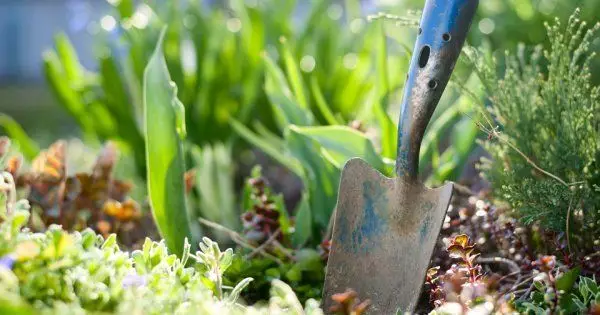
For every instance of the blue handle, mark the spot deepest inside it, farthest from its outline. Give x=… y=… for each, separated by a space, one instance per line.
x=443 y=29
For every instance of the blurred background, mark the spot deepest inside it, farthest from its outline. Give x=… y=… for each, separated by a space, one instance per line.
x=27 y=28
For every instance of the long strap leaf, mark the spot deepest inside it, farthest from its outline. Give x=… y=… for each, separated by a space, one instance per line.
x=164 y=132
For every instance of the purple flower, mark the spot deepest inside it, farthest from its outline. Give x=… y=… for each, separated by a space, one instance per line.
x=134 y=280
x=7 y=261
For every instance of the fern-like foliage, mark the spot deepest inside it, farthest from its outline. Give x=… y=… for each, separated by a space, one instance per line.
x=543 y=120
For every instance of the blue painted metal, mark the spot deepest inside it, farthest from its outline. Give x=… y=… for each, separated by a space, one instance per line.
x=443 y=29
x=371 y=225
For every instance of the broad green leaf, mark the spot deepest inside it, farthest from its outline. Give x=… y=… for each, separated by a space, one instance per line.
x=567 y=280
x=164 y=153
x=341 y=143
x=214 y=184
x=273 y=139
x=274 y=152
x=303 y=222
x=27 y=146
x=320 y=176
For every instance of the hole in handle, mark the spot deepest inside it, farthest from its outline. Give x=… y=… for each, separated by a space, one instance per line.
x=446 y=37
x=432 y=84
x=424 y=56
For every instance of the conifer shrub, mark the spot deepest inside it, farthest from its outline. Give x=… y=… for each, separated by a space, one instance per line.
x=543 y=123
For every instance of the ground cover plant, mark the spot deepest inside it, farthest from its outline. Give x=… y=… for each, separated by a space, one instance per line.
x=129 y=234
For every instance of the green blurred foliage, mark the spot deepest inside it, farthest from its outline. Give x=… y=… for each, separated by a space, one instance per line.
x=290 y=84
x=503 y=24
x=317 y=153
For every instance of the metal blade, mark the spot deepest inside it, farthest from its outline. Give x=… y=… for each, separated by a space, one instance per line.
x=384 y=234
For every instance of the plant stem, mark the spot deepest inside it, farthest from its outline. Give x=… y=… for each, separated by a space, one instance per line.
x=238 y=239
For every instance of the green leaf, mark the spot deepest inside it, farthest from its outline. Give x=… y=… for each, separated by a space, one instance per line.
x=66 y=94
x=389 y=133
x=309 y=260
x=320 y=176
x=341 y=143
x=214 y=184
x=164 y=153
x=567 y=280
x=382 y=84
x=322 y=103
x=303 y=223
x=293 y=74
x=284 y=220
x=68 y=57
x=27 y=146
x=235 y=293
x=12 y=303
x=126 y=8
x=286 y=108
x=273 y=151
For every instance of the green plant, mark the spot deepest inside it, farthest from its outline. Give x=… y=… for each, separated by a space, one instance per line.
x=214 y=55
x=464 y=288
x=164 y=131
x=265 y=249
x=558 y=291
x=317 y=153
x=545 y=148
x=57 y=272
x=62 y=192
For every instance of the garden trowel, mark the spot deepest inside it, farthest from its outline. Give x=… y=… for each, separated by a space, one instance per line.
x=385 y=228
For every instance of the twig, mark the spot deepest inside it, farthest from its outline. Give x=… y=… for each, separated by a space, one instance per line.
x=493 y=132
x=285 y=251
x=515 y=286
x=525 y=292
x=265 y=244
x=568 y=225
x=515 y=270
x=238 y=239
x=514 y=273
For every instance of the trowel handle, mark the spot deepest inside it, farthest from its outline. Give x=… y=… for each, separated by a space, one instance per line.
x=442 y=32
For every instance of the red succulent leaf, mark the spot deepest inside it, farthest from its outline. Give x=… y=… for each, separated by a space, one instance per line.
x=456 y=251
x=461 y=240
x=432 y=272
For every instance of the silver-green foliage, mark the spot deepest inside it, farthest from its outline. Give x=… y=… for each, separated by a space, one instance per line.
x=546 y=147
x=56 y=272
